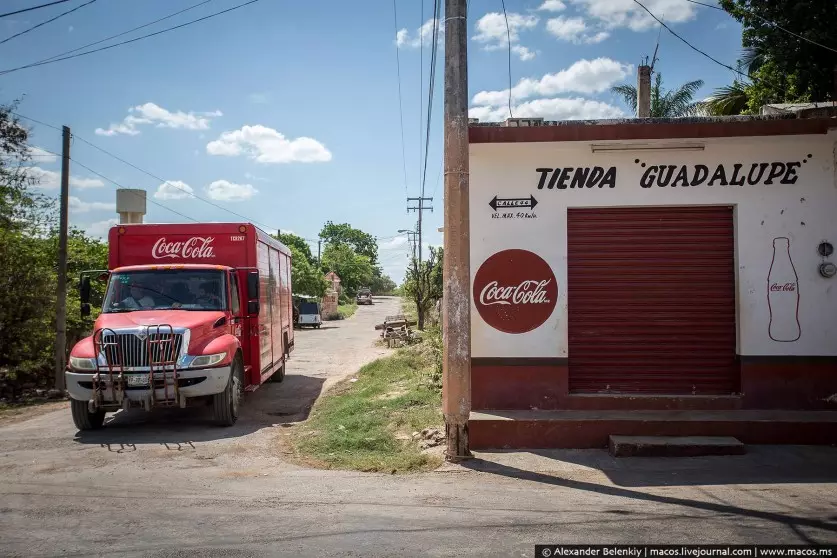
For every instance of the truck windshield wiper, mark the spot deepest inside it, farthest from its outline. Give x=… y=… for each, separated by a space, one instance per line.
x=121 y=310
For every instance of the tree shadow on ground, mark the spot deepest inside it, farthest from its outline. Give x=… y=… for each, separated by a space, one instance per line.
x=271 y=404
x=828 y=525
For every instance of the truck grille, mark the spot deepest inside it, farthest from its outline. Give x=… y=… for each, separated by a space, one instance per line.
x=132 y=350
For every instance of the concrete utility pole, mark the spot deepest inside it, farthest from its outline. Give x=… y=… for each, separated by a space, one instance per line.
x=421 y=208
x=456 y=375
x=61 y=293
x=643 y=92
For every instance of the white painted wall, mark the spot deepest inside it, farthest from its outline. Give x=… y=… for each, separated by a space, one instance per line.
x=762 y=212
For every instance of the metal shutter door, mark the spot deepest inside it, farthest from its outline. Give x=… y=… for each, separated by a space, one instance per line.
x=651 y=295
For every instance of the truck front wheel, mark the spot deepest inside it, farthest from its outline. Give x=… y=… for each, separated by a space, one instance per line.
x=83 y=418
x=225 y=404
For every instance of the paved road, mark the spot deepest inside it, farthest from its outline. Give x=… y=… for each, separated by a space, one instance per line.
x=166 y=484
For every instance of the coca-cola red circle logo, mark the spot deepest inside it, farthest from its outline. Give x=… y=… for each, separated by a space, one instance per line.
x=515 y=291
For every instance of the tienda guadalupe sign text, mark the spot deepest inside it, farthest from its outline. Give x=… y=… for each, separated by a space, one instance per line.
x=515 y=291
x=197 y=247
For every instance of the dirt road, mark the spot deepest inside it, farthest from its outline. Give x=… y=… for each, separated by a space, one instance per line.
x=166 y=484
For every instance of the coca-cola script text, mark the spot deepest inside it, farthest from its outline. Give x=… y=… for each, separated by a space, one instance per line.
x=786 y=287
x=527 y=292
x=197 y=247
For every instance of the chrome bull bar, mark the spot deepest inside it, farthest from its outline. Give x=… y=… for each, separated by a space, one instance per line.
x=161 y=347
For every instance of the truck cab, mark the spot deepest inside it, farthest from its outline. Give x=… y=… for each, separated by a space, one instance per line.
x=171 y=334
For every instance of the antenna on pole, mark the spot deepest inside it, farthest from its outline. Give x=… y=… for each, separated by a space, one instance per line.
x=657 y=47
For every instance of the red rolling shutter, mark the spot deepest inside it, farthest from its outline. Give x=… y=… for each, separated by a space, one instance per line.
x=651 y=295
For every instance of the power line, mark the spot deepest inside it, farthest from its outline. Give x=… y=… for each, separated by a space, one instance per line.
x=4 y=72
x=690 y=45
x=59 y=16
x=430 y=90
x=508 y=37
x=88 y=45
x=100 y=175
x=767 y=21
x=34 y=8
x=400 y=105
x=421 y=84
x=152 y=175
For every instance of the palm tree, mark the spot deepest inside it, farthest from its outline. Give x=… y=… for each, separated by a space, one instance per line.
x=664 y=104
x=728 y=100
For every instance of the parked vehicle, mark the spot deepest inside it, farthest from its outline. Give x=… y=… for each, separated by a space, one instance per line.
x=191 y=311
x=310 y=314
x=364 y=296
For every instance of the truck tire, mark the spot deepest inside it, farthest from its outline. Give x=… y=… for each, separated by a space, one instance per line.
x=279 y=376
x=225 y=405
x=83 y=418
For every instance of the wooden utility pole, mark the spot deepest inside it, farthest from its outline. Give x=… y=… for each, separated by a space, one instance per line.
x=61 y=293
x=456 y=375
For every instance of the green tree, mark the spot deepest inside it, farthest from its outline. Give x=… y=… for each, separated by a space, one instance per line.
x=785 y=67
x=423 y=283
x=355 y=270
x=306 y=279
x=302 y=248
x=382 y=284
x=361 y=242
x=664 y=103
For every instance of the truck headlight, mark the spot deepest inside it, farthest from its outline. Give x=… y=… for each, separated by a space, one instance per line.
x=207 y=360
x=82 y=363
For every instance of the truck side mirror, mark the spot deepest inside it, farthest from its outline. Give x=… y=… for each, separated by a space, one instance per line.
x=253 y=308
x=84 y=291
x=85 y=310
x=253 y=285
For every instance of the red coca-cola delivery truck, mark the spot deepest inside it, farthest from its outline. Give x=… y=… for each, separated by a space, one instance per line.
x=191 y=312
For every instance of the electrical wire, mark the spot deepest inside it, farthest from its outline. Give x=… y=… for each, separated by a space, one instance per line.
x=767 y=21
x=430 y=91
x=88 y=45
x=59 y=16
x=693 y=47
x=103 y=177
x=508 y=37
x=400 y=104
x=152 y=175
x=34 y=8
x=421 y=85
x=140 y=38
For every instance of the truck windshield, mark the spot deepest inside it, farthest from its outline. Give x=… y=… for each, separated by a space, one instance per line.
x=176 y=289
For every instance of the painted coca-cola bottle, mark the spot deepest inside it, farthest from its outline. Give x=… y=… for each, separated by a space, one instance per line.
x=783 y=294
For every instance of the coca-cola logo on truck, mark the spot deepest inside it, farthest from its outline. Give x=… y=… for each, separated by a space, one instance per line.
x=515 y=291
x=197 y=247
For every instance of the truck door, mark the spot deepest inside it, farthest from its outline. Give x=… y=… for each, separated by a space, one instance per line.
x=239 y=324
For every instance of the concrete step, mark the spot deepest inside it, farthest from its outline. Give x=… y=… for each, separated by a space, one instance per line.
x=592 y=429
x=674 y=446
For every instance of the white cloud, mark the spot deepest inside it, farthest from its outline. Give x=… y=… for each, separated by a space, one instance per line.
x=396 y=242
x=51 y=179
x=422 y=36
x=266 y=145
x=552 y=6
x=550 y=109
x=492 y=32
x=41 y=155
x=223 y=190
x=100 y=229
x=150 y=113
x=174 y=190
x=78 y=206
x=627 y=13
x=574 y=30
x=584 y=76
x=523 y=52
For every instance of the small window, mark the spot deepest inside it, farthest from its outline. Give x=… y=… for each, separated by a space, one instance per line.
x=234 y=297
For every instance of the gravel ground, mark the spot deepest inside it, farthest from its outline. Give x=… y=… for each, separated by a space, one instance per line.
x=167 y=484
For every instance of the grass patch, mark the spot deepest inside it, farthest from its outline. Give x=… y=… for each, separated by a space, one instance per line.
x=346 y=310
x=367 y=425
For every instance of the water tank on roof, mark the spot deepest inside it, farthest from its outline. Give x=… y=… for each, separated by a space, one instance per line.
x=130 y=205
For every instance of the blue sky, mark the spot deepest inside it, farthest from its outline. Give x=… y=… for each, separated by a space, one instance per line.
x=287 y=111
